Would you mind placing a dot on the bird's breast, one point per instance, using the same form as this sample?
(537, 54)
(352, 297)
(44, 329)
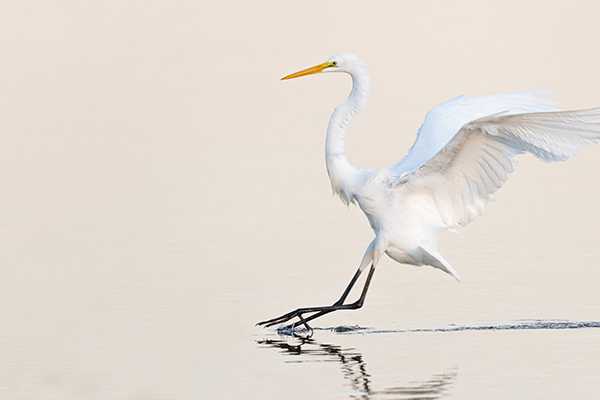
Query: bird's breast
(408, 221)
(381, 209)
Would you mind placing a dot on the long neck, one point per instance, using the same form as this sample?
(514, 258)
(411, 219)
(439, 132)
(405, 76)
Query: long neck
(342, 175)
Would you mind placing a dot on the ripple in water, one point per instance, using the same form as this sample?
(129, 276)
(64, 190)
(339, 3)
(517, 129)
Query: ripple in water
(518, 325)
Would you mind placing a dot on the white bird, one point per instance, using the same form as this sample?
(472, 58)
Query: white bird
(464, 152)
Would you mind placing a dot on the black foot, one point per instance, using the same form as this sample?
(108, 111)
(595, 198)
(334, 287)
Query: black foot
(318, 311)
(286, 317)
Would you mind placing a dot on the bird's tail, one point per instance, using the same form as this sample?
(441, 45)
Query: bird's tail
(435, 259)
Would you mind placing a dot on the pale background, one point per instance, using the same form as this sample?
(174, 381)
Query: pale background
(162, 191)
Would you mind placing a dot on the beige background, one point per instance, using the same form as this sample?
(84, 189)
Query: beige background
(162, 191)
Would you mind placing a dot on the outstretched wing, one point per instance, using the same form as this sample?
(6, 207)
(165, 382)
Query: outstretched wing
(466, 173)
(444, 121)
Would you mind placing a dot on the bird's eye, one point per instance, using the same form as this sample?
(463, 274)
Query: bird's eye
(335, 63)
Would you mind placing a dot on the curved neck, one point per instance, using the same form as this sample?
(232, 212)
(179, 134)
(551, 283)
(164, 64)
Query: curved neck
(342, 175)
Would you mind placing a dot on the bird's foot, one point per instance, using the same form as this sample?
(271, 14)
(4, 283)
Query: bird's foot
(318, 311)
(286, 317)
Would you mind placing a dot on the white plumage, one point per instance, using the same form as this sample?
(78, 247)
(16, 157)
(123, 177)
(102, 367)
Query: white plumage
(464, 152)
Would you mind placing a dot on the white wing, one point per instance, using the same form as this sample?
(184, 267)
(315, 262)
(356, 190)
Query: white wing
(443, 121)
(465, 174)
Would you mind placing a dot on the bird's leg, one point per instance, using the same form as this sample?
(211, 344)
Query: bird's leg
(319, 311)
(300, 311)
(327, 310)
(339, 305)
(349, 288)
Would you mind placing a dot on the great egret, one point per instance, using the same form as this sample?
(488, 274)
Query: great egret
(464, 152)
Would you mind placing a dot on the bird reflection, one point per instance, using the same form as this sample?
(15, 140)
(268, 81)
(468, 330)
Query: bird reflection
(354, 369)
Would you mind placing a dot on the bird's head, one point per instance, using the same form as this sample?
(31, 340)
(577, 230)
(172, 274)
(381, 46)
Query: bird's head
(344, 62)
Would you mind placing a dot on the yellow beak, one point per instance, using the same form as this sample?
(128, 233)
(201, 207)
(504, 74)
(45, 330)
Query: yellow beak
(309, 71)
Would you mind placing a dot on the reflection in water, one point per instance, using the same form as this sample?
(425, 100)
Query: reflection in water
(434, 388)
(354, 369)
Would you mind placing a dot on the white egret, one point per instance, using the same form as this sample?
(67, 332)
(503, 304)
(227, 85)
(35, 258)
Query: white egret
(464, 152)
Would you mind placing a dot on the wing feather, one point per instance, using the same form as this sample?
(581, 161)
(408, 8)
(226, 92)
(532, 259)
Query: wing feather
(479, 159)
(443, 121)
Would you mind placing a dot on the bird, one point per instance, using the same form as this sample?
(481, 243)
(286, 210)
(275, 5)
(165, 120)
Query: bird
(465, 151)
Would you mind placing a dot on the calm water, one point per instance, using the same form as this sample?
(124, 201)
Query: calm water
(163, 191)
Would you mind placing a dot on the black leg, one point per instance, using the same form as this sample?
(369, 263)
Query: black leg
(349, 288)
(338, 305)
(319, 311)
